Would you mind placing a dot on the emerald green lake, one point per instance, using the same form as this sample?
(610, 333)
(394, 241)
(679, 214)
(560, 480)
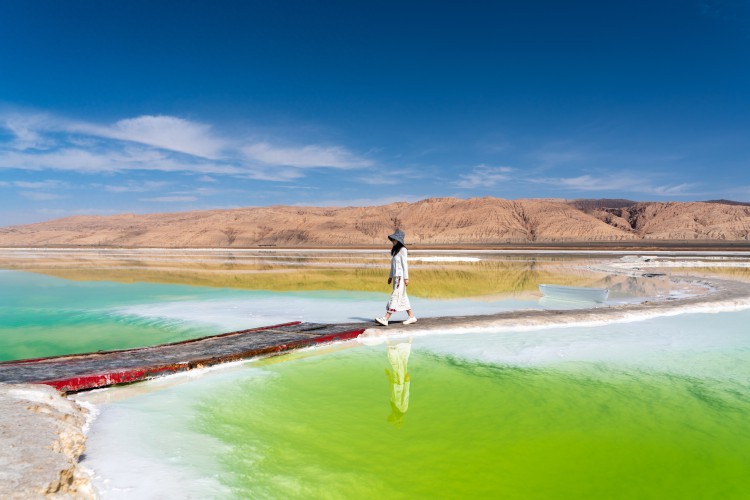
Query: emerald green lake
(603, 420)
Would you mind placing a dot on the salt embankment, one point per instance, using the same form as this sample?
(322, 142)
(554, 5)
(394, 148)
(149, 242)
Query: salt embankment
(42, 436)
(721, 295)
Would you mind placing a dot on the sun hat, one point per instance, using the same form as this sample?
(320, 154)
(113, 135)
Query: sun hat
(398, 236)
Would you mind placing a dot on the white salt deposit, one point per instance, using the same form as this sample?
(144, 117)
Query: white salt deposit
(269, 308)
(691, 344)
(446, 259)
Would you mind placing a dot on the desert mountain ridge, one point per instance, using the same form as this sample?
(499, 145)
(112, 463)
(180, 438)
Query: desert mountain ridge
(433, 221)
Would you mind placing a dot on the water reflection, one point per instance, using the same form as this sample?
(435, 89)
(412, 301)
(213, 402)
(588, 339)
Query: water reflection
(484, 276)
(399, 378)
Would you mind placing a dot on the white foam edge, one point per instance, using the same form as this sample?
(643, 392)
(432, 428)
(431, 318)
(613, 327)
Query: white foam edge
(623, 317)
(446, 259)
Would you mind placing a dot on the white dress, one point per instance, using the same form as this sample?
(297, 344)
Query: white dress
(399, 272)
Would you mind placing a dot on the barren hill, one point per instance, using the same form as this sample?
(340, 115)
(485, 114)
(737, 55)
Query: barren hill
(434, 221)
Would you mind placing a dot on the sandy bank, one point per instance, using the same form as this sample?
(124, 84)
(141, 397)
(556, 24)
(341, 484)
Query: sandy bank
(41, 439)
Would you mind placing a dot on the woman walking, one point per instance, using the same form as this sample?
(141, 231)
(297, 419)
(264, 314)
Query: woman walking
(400, 278)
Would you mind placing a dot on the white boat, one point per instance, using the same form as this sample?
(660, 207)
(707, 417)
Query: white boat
(574, 293)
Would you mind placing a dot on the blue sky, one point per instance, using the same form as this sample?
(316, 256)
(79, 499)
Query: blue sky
(142, 106)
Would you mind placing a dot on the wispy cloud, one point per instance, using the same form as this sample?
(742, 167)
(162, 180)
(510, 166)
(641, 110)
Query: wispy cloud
(37, 196)
(381, 180)
(171, 199)
(633, 183)
(37, 190)
(157, 143)
(165, 132)
(25, 131)
(484, 176)
(395, 176)
(273, 174)
(305, 156)
(48, 184)
(201, 191)
(133, 186)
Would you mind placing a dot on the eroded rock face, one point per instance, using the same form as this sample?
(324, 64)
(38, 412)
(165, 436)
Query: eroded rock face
(434, 221)
(41, 439)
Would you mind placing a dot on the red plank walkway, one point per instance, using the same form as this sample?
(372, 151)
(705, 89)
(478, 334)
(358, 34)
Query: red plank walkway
(79, 372)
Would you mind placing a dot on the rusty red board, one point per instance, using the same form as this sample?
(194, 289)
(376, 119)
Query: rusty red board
(77, 372)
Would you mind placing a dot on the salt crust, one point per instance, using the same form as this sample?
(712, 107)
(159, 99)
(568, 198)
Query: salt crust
(42, 436)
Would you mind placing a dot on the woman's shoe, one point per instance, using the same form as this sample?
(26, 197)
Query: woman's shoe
(410, 321)
(382, 321)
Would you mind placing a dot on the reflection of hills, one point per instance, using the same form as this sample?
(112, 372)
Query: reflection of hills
(348, 271)
(485, 278)
(742, 273)
(435, 221)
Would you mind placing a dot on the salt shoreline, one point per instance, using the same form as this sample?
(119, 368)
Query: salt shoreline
(47, 465)
(42, 437)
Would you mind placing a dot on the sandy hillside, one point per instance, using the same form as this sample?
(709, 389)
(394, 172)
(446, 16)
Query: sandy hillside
(435, 221)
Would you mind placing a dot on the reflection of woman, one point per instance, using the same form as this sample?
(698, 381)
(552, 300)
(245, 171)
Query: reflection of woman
(398, 357)
(399, 276)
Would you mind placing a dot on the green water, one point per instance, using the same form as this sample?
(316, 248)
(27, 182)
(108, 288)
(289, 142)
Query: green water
(324, 427)
(47, 316)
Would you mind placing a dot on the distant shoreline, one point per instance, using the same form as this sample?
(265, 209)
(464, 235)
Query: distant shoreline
(650, 245)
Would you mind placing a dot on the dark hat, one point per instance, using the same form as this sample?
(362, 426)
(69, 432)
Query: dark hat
(398, 236)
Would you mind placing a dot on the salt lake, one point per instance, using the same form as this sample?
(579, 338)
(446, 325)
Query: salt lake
(644, 408)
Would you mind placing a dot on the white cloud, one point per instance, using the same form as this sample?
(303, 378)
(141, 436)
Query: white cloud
(679, 189)
(305, 156)
(166, 132)
(626, 182)
(110, 161)
(157, 142)
(48, 184)
(133, 187)
(275, 174)
(201, 191)
(381, 180)
(25, 129)
(37, 196)
(484, 176)
(171, 199)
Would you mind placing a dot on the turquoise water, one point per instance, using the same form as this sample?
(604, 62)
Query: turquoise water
(47, 316)
(42, 316)
(649, 409)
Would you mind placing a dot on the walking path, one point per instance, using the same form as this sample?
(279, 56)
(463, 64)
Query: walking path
(101, 369)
